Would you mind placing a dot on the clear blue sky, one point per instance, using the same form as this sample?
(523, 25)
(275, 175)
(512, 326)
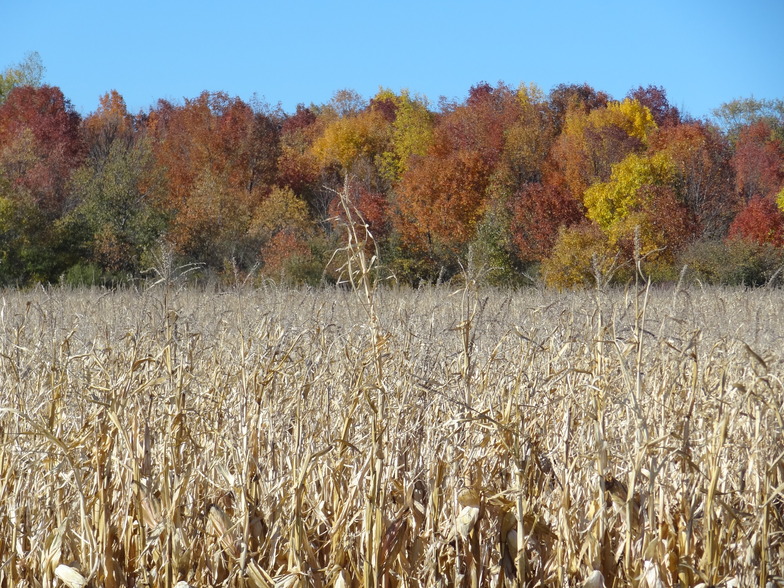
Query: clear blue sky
(703, 52)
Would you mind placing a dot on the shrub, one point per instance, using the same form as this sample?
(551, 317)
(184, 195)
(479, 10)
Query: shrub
(92, 274)
(580, 252)
(735, 262)
(491, 250)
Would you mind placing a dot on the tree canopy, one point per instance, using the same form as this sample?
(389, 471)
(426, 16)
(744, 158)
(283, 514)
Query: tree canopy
(523, 175)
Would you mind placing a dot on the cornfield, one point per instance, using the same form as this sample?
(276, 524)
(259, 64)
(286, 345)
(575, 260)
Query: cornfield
(276, 437)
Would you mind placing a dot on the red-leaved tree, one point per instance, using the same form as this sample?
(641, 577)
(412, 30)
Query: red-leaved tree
(760, 221)
(40, 144)
(758, 161)
(538, 213)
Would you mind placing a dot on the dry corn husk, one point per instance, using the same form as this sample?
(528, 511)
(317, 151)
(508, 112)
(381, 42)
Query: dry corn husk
(342, 580)
(221, 527)
(258, 576)
(466, 520)
(651, 575)
(594, 580)
(393, 541)
(286, 580)
(418, 503)
(470, 500)
(70, 576)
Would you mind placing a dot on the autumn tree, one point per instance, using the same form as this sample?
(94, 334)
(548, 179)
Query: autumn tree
(212, 224)
(480, 124)
(527, 142)
(640, 202)
(580, 256)
(287, 236)
(411, 135)
(654, 98)
(373, 207)
(29, 72)
(111, 121)
(218, 133)
(758, 162)
(261, 150)
(760, 221)
(564, 98)
(324, 143)
(608, 202)
(115, 195)
(282, 210)
(297, 164)
(220, 158)
(539, 211)
(354, 142)
(701, 155)
(40, 143)
(592, 142)
(658, 227)
(441, 197)
(520, 126)
(440, 201)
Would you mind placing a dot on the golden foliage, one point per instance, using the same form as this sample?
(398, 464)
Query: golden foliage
(579, 252)
(610, 202)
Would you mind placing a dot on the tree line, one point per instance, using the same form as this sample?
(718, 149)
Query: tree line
(564, 187)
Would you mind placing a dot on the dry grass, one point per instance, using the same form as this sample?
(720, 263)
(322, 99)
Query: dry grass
(479, 438)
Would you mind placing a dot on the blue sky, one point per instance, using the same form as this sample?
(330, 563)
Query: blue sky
(703, 52)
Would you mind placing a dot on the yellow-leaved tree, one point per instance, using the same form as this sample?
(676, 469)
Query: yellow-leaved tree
(580, 257)
(634, 118)
(609, 202)
(355, 132)
(641, 201)
(592, 142)
(412, 133)
(347, 139)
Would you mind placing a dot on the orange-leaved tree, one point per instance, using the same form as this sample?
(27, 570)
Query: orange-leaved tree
(297, 165)
(220, 159)
(441, 197)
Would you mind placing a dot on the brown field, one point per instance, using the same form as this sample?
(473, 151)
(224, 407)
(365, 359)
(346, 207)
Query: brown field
(429, 437)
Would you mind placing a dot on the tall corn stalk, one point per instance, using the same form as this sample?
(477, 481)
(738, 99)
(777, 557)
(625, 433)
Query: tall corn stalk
(360, 270)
